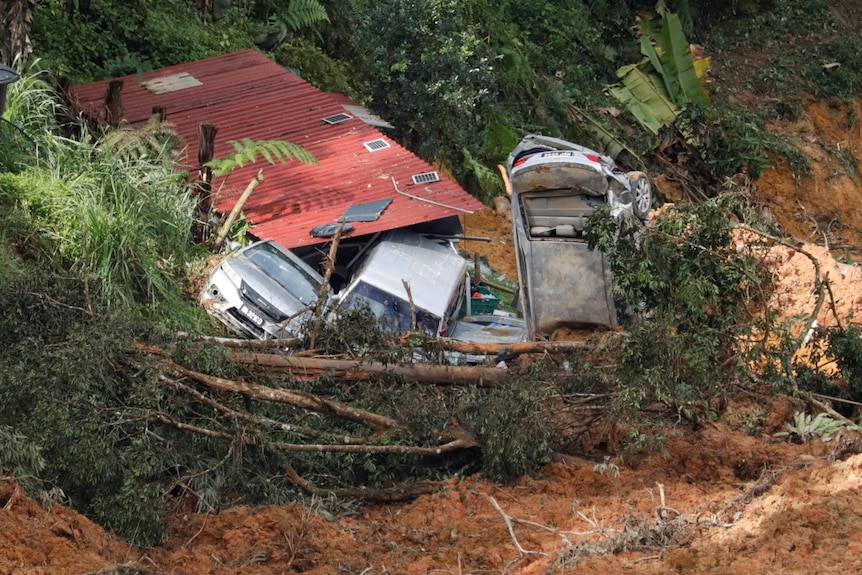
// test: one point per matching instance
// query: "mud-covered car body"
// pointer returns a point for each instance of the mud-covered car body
(556, 187)
(262, 291)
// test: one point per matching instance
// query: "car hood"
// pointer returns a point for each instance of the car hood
(490, 329)
(262, 285)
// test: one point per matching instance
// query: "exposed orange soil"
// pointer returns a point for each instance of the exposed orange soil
(824, 208)
(715, 500)
(499, 251)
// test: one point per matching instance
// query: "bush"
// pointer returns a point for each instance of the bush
(691, 289)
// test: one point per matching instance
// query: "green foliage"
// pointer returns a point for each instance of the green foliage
(736, 141)
(20, 458)
(314, 65)
(130, 143)
(425, 72)
(760, 23)
(296, 14)
(110, 38)
(247, 151)
(60, 387)
(118, 218)
(834, 69)
(690, 288)
(30, 111)
(489, 181)
(804, 428)
(846, 346)
(509, 425)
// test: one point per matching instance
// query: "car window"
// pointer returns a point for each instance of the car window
(285, 271)
(393, 312)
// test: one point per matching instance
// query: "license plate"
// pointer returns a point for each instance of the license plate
(251, 315)
(555, 154)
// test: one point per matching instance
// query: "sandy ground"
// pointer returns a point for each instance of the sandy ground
(723, 499)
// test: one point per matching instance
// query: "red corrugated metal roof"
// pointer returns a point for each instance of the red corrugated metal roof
(248, 96)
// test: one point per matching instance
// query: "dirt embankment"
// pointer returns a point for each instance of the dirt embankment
(714, 501)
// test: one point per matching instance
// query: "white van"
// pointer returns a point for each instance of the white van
(405, 267)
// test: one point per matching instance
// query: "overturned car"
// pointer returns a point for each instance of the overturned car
(556, 186)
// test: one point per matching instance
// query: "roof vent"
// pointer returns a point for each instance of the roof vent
(337, 118)
(375, 145)
(426, 178)
(172, 83)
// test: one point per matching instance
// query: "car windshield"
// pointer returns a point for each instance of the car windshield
(285, 271)
(392, 312)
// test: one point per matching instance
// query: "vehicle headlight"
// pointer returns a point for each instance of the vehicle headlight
(231, 273)
(214, 294)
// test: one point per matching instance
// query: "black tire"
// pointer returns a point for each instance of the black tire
(642, 192)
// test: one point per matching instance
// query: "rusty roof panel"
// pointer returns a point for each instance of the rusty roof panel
(248, 96)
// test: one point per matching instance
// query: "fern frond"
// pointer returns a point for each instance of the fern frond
(303, 13)
(155, 138)
(247, 151)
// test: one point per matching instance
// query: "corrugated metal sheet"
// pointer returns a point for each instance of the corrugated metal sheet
(248, 96)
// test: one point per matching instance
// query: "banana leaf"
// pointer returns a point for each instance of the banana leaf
(641, 110)
(677, 63)
(701, 65)
(644, 97)
(670, 84)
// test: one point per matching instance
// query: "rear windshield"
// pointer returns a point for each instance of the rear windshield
(393, 312)
(285, 271)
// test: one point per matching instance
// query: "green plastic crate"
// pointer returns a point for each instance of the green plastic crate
(486, 303)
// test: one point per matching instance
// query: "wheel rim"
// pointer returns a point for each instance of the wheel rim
(643, 197)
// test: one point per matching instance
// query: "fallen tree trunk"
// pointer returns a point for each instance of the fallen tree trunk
(464, 442)
(495, 349)
(299, 399)
(455, 438)
(311, 368)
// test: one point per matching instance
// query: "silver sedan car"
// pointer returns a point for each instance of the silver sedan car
(262, 291)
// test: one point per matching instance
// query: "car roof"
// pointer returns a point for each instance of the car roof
(432, 271)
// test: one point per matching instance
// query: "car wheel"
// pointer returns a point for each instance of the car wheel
(642, 191)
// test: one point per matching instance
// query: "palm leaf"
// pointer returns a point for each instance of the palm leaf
(246, 151)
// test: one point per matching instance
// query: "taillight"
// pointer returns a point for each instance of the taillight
(592, 158)
(520, 161)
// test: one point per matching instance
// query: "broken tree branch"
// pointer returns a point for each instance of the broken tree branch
(508, 520)
(397, 493)
(470, 347)
(262, 421)
(463, 442)
(237, 208)
(299, 399)
(321, 296)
